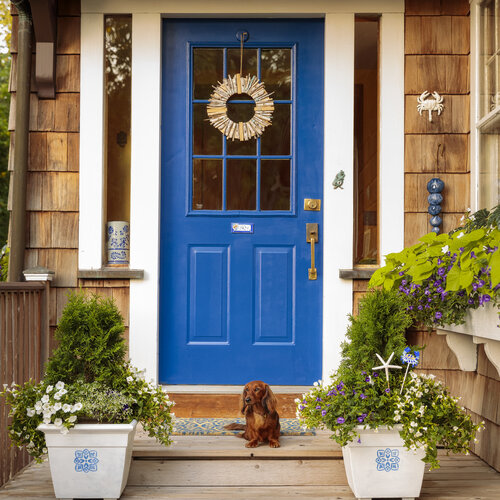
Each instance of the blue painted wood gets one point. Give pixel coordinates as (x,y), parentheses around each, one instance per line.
(236,306)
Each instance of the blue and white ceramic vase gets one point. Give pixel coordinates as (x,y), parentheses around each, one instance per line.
(118,242)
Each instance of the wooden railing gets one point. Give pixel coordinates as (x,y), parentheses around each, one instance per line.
(22,346)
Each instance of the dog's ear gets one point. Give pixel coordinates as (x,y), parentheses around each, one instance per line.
(269,401)
(243,404)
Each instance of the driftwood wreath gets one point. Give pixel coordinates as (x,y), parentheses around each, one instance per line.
(232,86)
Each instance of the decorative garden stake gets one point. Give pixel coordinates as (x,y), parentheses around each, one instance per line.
(385,365)
(430,105)
(409,358)
(339,180)
(435,186)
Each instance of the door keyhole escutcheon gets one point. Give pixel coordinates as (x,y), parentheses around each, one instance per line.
(312,238)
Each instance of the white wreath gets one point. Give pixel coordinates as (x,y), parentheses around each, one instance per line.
(233,85)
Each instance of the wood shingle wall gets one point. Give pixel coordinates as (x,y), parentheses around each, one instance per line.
(437,49)
(52,185)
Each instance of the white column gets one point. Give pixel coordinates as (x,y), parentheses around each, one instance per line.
(338,203)
(91,142)
(145,191)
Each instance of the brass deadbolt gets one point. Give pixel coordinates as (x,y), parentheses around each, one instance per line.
(312,204)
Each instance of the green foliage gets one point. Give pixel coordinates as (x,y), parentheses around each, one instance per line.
(359,397)
(87,378)
(91,345)
(427,415)
(5,30)
(443,276)
(379,328)
(4,262)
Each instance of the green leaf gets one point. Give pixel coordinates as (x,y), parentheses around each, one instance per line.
(428,238)
(466,279)
(495,268)
(453,279)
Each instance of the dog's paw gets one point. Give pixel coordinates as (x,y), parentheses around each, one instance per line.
(252,444)
(274,444)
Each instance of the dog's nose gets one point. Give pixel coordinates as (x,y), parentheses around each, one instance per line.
(247,400)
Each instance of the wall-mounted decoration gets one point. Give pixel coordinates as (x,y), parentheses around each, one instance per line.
(339,180)
(118,242)
(435,186)
(430,105)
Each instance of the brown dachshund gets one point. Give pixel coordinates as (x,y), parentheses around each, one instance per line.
(258,404)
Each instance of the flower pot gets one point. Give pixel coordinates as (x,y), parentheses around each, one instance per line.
(91,460)
(118,243)
(381,467)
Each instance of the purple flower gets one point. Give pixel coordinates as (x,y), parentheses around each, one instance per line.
(404,282)
(473,255)
(339,386)
(359,440)
(340,420)
(484,299)
(342,392)
(368,379)
(387,390)
(442,271)
(301,407)
(401,273)
(362,396)
(363,415)
(475,286)
(439,315)
(439,289)
(318,407)
(360,420)
(323,412)
(332,393)
(319,399)
(375,375)
(420,308)
(470,301)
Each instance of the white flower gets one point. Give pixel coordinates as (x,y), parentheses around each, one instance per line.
(397,418)
(455,428)
(66,408)
(30,412)
(60,385)
(460,235)
(64,430)
(418,434)
(62,391)
(71,419)
(44,450)
(58,422)
(57,406)
(38,406)
(297,400)
(46,407)
(414,424)
(315,384)
(49,388)
(45,399)
(57,395)
(77,407)
(130,379)
(445,249)
(46,420)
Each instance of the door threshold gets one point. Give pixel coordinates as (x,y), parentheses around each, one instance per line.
(231,389)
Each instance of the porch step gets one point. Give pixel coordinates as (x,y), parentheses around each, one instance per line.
(223,461)
(197,405)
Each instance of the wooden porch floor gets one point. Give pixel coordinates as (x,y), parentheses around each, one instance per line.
(203,467)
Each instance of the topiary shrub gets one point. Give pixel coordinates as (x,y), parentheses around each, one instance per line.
(379,328)
(91,344)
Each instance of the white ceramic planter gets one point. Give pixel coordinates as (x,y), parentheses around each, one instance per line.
(381,467)
(91,461)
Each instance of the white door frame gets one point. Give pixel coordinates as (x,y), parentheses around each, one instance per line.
(146,141)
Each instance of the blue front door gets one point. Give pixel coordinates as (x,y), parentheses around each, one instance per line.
(236,300)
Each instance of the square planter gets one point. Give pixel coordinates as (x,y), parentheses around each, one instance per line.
(91,461)
(381,467)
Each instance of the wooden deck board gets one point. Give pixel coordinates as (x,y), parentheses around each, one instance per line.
(220,467)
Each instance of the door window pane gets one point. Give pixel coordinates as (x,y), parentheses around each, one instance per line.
(207,71)
(276,138)
(276,72)
(207,184)
(207,140)
(275,185)
(241,184)
(249,61)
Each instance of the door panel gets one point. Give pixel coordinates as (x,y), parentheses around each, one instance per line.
(235,299)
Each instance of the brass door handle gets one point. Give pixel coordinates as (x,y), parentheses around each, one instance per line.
(312,238)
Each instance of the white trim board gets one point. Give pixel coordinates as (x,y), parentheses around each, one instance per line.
(145,170)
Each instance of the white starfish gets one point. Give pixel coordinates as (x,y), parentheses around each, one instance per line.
(385,365)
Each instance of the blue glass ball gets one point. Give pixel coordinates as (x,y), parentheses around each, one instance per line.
(436,220)
(434,209)
(435,229)
(435,199)
(435,185)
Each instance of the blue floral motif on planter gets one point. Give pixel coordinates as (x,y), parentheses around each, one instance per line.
(86,461)
(387,460)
